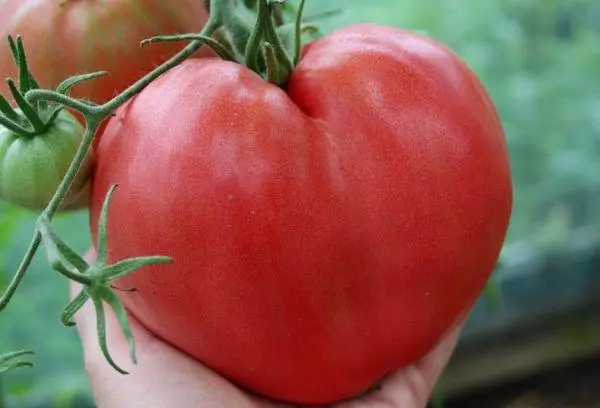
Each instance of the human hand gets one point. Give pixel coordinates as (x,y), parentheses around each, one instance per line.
(165,377)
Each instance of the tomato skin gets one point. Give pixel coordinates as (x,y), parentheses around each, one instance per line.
(322,236)
(65,38)
(31,168)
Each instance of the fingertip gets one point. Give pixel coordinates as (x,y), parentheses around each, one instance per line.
(435,362)
(90,255)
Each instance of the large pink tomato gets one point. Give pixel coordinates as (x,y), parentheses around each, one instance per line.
(323,234)
(70,37)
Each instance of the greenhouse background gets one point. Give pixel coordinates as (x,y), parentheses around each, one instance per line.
(540,60)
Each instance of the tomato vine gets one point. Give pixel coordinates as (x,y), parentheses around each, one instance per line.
(269,47)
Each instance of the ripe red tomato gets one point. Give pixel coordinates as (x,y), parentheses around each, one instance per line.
(70,37)
(322,235)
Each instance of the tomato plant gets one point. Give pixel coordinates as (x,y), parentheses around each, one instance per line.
(325,214)
(72,37)
(324,232)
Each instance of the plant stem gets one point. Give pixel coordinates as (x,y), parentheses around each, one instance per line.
(18,276)
(275,40)
(253,47)
(134,89)
(218,10)
(74,168)
(38,95)
(298,39)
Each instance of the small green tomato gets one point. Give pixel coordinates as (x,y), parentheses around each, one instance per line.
(32,167)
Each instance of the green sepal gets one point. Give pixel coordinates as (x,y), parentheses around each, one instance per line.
(272,68)
(96,278)
(14,127)
(239,26)
(65,86)
(221,50)
(26,80)
(32,119)
(275,40)
(11,361)
(298,34)
(30,112)
(7,110)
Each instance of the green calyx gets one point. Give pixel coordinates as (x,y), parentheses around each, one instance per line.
(254,34)
(31,119)
(96,278)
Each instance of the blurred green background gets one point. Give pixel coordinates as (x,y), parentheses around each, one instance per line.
(540,60)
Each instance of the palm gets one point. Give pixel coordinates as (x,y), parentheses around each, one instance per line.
(408,388)
(166,377)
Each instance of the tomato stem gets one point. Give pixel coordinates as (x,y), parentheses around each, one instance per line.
(298,36)
(275,40)
(235,36)
(68,83)
(237,29)
(219,8)
(253,47)
(265,31)
(51,96)
(20,274)
(219,48)
(74,168)
(273,74)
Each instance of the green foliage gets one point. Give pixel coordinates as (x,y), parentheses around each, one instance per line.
(539,59)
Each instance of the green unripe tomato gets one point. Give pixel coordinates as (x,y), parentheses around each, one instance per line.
(32,167)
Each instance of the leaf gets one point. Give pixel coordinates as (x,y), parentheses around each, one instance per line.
(13,360)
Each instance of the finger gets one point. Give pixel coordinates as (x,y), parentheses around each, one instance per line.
(432,366)
(412,386)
